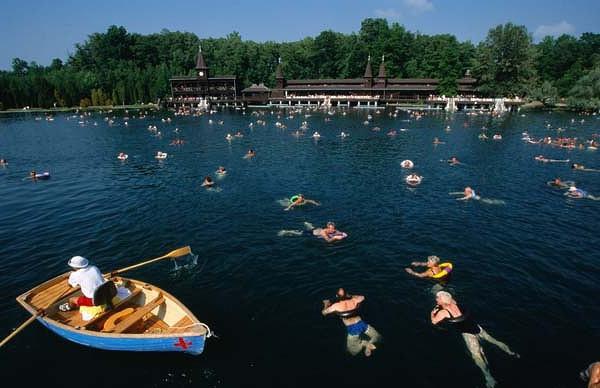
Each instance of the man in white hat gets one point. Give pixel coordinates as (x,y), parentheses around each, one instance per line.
(86,276)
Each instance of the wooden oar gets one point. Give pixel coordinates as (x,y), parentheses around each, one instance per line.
(33,317)
(173,254)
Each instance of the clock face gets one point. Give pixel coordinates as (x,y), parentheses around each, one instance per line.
(201,74)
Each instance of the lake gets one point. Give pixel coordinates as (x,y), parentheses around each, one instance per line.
(526,261)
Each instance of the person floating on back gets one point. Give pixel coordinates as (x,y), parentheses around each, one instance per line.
(447,313)
(361,336)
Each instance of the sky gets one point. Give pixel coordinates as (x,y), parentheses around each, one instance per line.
(40,30)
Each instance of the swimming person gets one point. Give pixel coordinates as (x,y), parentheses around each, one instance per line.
(33,175)
(250,154)
(221,171)
(413,179)
(361,337)
(208,182)
(435,270)
(581,167)
(86,276)
(576,193)
(453,161)
(447,313)
(329,233)
(591,375)
(542,158)
(437,141)
(3,162)
(468,193)
(557,182)
(299,200)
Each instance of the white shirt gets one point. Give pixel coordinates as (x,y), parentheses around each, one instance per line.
(88,278)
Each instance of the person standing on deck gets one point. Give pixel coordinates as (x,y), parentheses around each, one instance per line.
(361,336)
(86,276)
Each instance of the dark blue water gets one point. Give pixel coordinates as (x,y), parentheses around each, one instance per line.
(527,269)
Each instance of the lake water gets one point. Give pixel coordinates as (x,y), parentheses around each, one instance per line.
(527,266)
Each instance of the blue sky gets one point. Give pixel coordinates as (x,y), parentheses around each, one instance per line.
(39,30)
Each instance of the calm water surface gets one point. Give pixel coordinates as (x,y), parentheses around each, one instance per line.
(527,269)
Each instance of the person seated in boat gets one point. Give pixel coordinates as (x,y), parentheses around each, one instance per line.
(361,337)
(250,154)
(453,161)
(299,200)
(433,268)
(86,276)
(208,182)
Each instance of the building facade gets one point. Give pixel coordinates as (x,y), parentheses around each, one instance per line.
(202,88)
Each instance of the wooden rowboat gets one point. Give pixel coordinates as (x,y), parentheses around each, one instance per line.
(148,320)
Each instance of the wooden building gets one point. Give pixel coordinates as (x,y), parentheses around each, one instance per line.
(202,88)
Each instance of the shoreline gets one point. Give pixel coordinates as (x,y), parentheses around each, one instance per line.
(80,109)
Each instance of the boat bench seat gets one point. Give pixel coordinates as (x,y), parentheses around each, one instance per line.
(139,313)
(87,324)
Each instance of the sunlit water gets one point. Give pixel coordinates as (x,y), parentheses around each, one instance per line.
(526,263)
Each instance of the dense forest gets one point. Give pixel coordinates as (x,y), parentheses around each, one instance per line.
(118,67)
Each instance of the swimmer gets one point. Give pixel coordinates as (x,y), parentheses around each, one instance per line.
(392,132)
(229,137)
(160,155)
(591,375)
(542,158)
(330,233)
(576,193)
(437,141)
(122,156)
(581,167)
(361,336)
(482,136)
(433,268)
(3,162)
(221,171)
(407,164)
(468,193)
(447,313)
(250,154)
(497,137)
(557,182)
(208,182)
(316,135)
(413,179)
(239,134)
(453,161)
(299,200)
(344,134)
(33,175)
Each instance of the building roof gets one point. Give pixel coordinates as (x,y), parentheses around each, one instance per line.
(279,71)
(413,81)
(368,71)
(200,64)
(325,81)
(193,78)
(382,68)
(256,88)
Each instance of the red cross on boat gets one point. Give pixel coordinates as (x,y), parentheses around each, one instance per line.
(183,343)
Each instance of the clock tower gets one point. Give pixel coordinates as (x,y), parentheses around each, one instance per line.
(201,68)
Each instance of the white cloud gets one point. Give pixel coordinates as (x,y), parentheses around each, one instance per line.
(388,13)
(419,6)
(554,29)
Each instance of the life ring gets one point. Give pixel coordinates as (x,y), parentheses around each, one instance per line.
(413,181)
(407,164)
(446,270)
(294,198)
(112,321)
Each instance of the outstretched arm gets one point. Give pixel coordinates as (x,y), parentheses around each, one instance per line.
(313,202)
(425,274)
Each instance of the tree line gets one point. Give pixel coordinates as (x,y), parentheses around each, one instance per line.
(117,67)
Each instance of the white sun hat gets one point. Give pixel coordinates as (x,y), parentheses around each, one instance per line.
(78,262)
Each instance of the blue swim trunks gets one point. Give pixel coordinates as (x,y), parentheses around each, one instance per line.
(357,328)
